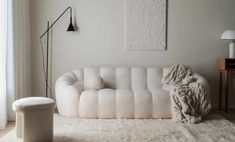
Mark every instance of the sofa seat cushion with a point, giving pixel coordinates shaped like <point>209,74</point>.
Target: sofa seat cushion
<point>143,104</point>
<point>161,104</point>
<point>125,103</point>
<point>88,105</point>
<point>106,103</point>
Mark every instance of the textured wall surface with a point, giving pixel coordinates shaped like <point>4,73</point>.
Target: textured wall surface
<point>193,38</point>
<point>145,24</point>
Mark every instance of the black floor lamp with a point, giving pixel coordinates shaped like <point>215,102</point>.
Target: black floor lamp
<point>70,28</point>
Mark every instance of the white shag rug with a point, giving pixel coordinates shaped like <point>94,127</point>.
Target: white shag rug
<point>214,129</point>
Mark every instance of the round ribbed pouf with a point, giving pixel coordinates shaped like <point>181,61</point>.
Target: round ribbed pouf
<point>34,119</point>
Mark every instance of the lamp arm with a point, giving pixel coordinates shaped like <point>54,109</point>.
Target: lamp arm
<point>69,8</point>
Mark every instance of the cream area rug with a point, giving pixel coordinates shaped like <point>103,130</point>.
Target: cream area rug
<point>213,129</point>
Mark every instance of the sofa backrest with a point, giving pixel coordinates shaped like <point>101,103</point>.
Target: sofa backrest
<point>136,78</point>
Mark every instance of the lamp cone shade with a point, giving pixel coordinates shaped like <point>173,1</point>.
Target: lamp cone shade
<point>71,27</point>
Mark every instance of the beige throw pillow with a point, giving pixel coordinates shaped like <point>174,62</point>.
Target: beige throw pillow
<point>94,83</point>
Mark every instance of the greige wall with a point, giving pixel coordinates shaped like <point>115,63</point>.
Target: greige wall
<point>194,29</point>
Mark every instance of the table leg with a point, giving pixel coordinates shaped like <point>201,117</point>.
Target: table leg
<point>226,91</point>
<point>220,90</point>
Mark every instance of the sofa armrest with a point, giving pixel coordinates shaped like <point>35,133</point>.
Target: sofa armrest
<point>67,92</point>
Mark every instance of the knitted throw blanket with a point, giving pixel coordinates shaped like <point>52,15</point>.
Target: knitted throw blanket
<point>190,99</point>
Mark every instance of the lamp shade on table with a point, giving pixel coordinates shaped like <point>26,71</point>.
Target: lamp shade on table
<point>230,35</point>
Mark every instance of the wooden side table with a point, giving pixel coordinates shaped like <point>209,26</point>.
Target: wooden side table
<point>225,66</point>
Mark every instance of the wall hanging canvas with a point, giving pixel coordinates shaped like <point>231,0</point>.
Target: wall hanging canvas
<point>145,24</point>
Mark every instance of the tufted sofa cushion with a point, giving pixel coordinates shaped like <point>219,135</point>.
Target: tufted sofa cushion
<point>124,103</point>
<point>122,77</point>
<point>126,94</point>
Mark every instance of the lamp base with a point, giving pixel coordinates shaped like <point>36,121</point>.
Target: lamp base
<point>232,50</point>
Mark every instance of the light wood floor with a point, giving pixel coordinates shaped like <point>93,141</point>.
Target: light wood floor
<point>229,116</point>
<point>10,126</point>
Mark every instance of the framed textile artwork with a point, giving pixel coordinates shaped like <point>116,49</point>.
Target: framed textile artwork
<point>145,24</point>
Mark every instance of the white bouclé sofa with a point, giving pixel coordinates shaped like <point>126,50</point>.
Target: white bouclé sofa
<point>127,93</point>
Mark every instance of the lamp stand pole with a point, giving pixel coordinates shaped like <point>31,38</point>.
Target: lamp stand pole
<point>48,25</point>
